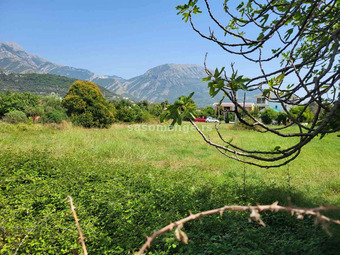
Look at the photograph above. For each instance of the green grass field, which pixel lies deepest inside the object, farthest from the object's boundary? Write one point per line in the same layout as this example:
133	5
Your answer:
128	182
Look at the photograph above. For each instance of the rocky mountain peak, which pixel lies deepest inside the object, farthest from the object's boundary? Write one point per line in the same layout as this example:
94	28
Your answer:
10	46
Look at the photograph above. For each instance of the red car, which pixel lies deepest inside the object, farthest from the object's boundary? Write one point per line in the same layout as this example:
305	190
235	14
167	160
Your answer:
200	119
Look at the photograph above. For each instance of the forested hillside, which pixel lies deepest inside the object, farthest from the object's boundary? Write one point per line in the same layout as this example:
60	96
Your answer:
40	84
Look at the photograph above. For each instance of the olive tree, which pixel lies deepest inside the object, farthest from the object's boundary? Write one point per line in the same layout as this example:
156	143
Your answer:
289	41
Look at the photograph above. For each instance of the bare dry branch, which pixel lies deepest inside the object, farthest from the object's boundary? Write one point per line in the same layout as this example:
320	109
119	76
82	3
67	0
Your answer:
254	216
80	233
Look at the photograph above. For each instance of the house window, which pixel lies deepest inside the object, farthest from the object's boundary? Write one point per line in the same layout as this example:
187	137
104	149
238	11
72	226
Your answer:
261	100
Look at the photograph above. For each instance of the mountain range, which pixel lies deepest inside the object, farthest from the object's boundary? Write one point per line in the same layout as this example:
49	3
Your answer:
168	81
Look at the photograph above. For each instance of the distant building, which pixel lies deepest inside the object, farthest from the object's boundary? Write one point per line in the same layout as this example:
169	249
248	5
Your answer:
223	108
263	103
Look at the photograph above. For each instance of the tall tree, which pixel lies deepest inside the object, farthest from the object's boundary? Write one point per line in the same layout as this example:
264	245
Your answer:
87	106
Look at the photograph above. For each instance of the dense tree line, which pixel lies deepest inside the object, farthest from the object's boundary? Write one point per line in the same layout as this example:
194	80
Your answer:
19	107
84	105
43	84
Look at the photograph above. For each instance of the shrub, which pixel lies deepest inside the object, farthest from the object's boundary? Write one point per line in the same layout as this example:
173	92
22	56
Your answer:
17	102
129	113
307	115
268	115
282	118
54	117
255	112
34	112
146	116
220	118
208	111
87	106
15	117
155	109
52	102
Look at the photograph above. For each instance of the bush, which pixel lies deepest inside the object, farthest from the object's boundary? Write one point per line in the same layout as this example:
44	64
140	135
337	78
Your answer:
268	115
16	102
282	118
307	115
146	117
15	117
54	117
52	102
220	118
34	111
129	113
155	109
87	106
255	112
208	111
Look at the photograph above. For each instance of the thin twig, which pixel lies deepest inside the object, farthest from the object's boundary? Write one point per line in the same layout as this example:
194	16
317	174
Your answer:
31	230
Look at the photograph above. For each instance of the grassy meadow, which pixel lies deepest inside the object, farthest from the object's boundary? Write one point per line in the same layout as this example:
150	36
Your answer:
127	182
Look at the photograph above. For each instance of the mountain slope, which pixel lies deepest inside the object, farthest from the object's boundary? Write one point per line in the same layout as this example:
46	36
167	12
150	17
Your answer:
163	82
169	81
15	59
40	84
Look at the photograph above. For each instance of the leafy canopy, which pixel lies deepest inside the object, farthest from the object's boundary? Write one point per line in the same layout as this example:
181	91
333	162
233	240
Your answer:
17	102
87	106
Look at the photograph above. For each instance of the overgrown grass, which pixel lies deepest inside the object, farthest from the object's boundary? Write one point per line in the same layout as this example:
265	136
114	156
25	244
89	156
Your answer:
127	184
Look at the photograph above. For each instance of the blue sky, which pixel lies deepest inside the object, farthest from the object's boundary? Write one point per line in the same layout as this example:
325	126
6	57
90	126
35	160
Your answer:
124	38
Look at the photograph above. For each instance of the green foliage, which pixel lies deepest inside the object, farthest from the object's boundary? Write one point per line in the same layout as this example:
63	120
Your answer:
182	109
15	117
119	204
306	116
34	111
128	111
54	116
229	117
155	109
334	123
40	83
52	102
144	104
187	9
141	111
221	118
255	112
17	102
87	106
207	111
282	118
268	116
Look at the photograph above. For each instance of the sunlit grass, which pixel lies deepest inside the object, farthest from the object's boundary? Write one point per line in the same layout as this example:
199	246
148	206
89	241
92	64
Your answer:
315	172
